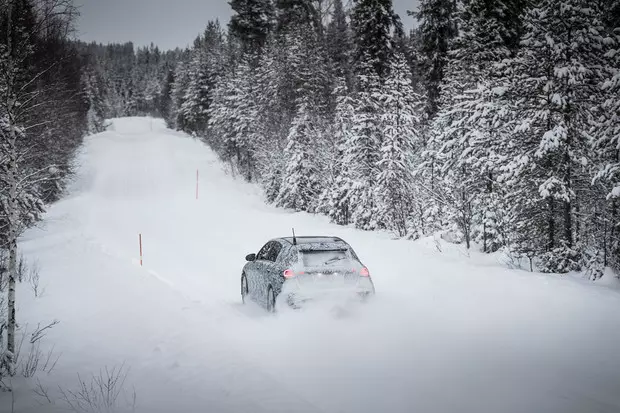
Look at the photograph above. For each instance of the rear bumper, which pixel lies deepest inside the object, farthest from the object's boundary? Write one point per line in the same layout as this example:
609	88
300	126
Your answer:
296	298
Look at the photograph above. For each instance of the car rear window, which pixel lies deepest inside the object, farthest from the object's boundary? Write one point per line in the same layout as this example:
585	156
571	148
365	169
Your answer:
322	258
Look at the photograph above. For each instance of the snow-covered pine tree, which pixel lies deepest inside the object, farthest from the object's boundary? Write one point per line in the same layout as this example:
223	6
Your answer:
165	103
306	85
607	144
234	127
373	23
339	43
468	139
300	186
251	23
399	123
93	96
197	96
204	69
335	196
179	87
273	117
291	14
437	27
555	81
363	149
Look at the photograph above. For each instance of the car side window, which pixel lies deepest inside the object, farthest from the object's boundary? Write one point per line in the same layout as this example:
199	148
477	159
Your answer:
274	251
262	254
288	257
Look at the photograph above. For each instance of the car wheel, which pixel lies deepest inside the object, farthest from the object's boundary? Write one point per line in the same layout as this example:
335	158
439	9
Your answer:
271	300
244	288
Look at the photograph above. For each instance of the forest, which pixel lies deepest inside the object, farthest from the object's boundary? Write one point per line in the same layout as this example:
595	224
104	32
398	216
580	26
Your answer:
495	124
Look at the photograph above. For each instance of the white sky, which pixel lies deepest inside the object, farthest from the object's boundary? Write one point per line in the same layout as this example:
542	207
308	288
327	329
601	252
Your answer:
167	23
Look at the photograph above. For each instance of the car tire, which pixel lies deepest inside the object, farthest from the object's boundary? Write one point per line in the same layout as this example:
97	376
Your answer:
271	300
244	288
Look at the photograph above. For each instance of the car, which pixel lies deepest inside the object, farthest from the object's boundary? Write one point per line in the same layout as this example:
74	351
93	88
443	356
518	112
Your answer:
295	270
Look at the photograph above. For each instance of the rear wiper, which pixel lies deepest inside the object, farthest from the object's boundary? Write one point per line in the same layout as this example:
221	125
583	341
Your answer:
334	260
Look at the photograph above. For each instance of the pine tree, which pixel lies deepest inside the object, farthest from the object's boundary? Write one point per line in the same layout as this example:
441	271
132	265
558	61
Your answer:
233	119
251	24
555	83
339	44
468	141
363	151
335	197
204	70
300	187
273	118
399	122
165	103
291	14
437	28
606	147
93	96
181	82
373	23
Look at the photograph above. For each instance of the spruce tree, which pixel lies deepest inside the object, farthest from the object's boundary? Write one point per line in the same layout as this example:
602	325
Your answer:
399	123
437	27
468	141
300	187
339	43
373	24
362	153
273	117
291	14
251	23
233	119
555	81
606	146
335	197
204	69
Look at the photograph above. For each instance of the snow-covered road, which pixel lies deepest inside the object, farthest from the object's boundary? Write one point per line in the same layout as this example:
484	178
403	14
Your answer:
445	333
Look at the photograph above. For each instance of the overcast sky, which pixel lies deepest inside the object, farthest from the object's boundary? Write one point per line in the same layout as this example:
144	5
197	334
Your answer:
167	23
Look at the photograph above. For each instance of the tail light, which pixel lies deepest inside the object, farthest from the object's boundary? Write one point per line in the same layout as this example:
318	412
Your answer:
364	272
289	274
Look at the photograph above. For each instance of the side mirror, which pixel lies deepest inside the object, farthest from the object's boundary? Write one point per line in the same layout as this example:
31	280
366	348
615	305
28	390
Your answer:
250	257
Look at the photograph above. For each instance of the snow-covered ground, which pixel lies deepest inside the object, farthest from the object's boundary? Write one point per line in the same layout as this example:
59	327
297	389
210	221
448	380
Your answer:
445	333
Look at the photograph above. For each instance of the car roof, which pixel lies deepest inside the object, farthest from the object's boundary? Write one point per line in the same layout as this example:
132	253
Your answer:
306	240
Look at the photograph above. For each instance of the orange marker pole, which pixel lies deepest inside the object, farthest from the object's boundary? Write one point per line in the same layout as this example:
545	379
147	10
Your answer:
140	240
197	181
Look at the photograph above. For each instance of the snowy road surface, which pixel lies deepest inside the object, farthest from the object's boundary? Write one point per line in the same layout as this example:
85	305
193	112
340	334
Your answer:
446	333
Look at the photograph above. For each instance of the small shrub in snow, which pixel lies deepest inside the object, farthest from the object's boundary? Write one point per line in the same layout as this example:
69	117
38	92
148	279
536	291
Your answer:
560	260
593	263
101	393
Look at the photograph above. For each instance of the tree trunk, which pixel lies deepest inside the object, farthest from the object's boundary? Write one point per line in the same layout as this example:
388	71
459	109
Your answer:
551	226
568	224
568	206
466	220
12	204
13	222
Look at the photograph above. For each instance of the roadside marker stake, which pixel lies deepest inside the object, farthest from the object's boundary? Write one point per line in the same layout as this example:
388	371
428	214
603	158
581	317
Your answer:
140	240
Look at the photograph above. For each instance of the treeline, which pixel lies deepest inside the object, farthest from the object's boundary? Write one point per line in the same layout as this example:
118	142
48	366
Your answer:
43	118
494	123
121	80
